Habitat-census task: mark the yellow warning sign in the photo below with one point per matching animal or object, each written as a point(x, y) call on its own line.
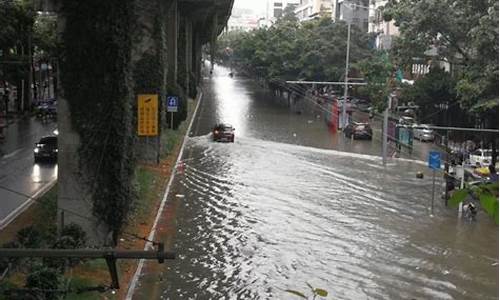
point(147, 118)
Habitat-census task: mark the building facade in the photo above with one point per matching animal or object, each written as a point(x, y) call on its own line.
point(354, 11)
point(311, 9)
point(385, 31)
point(277, 8)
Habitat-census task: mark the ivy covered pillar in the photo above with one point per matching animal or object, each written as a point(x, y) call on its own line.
point(96, 158)
point(149, 65)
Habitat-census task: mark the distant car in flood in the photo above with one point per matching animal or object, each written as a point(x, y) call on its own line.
point(223, 132)
point(358, 131)
point(481, 157)
point(46, 149)
point(423, 133)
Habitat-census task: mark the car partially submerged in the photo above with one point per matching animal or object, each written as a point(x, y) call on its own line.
point(357, 130)
point(423, 133)
point(223, 132)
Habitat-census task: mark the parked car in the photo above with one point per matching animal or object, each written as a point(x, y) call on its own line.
point(358, 131)
point(423, 133)
point(46, 109)
point(405, 120)
point(46, 149)
point(223, 133)
point(481, 157)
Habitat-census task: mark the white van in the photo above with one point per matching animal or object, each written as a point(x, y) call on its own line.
point(481, 157)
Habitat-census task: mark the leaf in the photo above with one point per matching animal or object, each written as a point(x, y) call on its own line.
point(457, 197)
point(489, 204)
point(296, 293)
point(492, 188)
point(321, 292)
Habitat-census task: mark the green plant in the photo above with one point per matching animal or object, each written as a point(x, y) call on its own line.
point(315, 292)
point(29, 237)
point(45, 279)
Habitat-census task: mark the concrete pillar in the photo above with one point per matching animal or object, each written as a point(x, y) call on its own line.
point(213, 40)
point(184, 55)
point(172, 52)
point(197, 56)
point(189, 58)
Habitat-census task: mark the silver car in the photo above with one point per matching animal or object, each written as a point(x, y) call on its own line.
point(423, 133)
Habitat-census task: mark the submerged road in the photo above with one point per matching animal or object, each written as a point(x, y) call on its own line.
point(282, 207)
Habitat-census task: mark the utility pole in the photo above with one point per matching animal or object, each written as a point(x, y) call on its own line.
point(111, 256)
point(385, 130)
point(346, 78)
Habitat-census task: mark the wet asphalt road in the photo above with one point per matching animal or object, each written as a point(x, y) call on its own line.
point(282, 207)
point(20, 177)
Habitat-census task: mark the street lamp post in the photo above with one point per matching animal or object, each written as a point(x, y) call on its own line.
point(346, 78)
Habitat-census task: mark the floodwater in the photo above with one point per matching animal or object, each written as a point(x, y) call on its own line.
point(282, 208)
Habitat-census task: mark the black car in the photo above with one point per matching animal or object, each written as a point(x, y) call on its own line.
point(223, 133)
point(358, 131)
point(46, 149)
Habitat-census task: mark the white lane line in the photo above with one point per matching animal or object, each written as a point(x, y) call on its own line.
point(20, 209)
point(12, 153)
point(135, 279)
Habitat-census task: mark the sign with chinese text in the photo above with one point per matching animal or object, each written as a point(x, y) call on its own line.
point(147, 118)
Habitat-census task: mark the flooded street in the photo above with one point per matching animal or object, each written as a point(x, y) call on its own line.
point(285, 206)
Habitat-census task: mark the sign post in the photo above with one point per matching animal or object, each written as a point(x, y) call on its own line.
point(172, 107)
point(434, 164)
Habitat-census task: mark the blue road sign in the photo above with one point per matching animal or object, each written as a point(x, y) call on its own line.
point(172, 103)
point(435, 160)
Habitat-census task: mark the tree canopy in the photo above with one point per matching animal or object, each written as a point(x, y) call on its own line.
point(463, 33)
point(290, 50)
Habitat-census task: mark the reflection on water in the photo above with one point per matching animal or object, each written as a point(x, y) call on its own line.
point(267, 213)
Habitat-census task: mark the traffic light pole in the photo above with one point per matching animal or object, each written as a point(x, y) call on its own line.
point(385, 135)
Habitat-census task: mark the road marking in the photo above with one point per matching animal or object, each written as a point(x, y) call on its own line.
point(135, 278)
point(12, 153)
point(20, 209)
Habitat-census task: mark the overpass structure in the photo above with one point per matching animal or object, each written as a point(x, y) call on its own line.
point(111, 51)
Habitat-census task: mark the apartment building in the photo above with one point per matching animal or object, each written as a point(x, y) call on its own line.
point(385, 31)
point(278, 6)
point(354, 11)
point(311, 9)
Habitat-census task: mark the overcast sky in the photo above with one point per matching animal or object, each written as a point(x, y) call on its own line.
point(256, 5)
